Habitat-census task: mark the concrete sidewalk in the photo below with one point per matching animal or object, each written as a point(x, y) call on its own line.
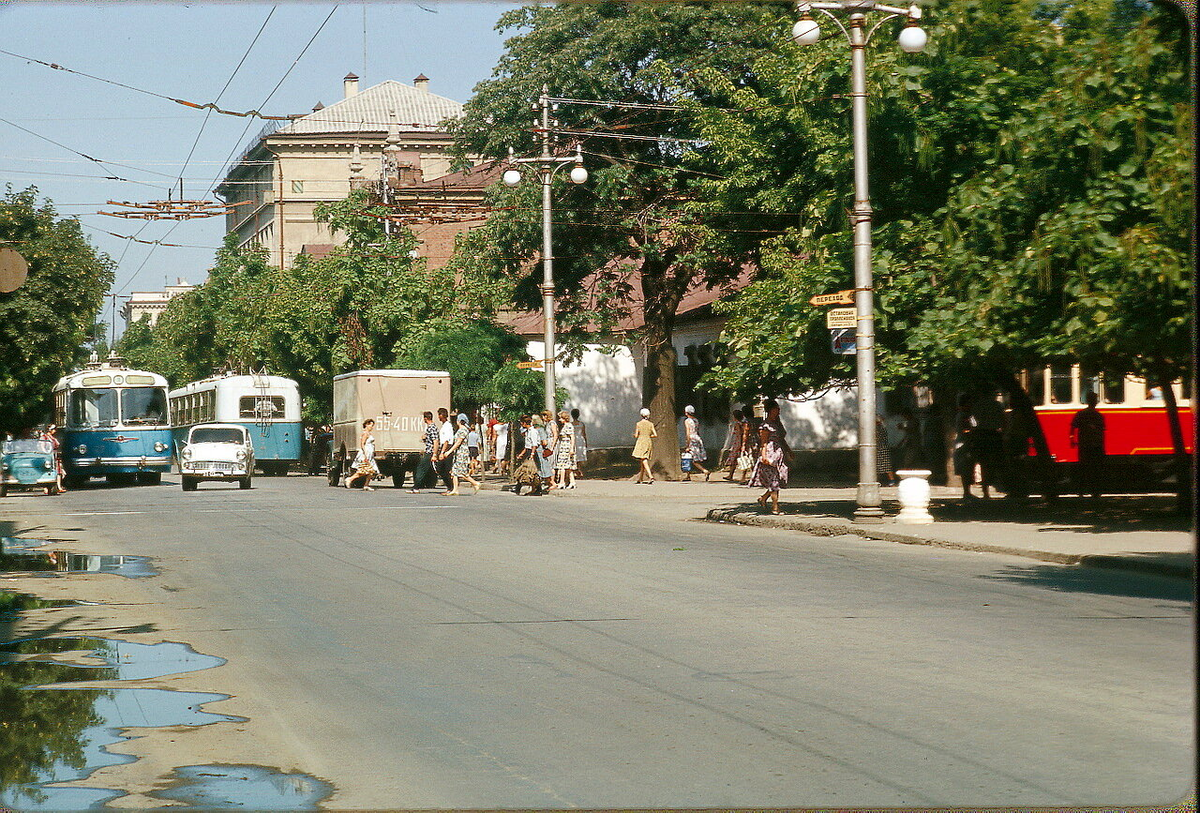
point(1132, 532)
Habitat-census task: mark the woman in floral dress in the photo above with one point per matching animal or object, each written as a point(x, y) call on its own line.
point(462, 459)
point(564, 452)
point(771, 471)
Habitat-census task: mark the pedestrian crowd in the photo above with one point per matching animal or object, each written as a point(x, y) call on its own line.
point(544, 452)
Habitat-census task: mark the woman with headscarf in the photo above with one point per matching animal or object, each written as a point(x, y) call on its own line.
point(525, 471)
point(771, 471)
point(462, 458)
point(643, 437)
point(693, 442)
point(542, 450)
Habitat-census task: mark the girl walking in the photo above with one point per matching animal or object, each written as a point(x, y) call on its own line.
point(771, 471)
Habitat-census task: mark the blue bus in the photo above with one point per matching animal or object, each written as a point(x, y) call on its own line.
point(116, 423)
point(267, 405)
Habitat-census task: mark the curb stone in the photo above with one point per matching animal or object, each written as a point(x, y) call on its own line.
point(836, 527)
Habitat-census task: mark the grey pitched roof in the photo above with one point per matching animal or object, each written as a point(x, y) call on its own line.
point(371, 110)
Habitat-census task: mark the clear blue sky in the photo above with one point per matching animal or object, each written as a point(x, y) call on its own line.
point(189, 51)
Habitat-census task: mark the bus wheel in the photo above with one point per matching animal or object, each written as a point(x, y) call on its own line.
point(149, 478)
point(3, 489)
point(244, 482)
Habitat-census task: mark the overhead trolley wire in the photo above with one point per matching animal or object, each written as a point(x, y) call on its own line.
point(194, 105)
point(228, 82)
point(232, 152)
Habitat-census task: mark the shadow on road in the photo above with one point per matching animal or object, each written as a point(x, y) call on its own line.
point(1070, 579)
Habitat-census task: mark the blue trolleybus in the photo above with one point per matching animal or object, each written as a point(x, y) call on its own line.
point(115, 423)
point(267, 405)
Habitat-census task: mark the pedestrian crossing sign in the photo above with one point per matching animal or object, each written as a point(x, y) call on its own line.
point(843, 341)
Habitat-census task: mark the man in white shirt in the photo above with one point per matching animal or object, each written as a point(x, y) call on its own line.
point(442, 461)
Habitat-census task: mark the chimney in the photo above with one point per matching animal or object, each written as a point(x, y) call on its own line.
point(422, 83)
point(351, 85)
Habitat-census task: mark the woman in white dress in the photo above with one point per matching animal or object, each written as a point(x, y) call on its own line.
point(364, 463)
point(581, 447)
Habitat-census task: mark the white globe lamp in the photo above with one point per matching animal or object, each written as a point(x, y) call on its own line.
point(806, 31)
point(511, 177)
point(579, 174)
point(913, 39)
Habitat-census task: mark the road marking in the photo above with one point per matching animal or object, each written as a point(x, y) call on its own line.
point(102, 513)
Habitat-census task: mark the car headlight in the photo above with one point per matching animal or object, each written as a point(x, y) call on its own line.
point(241, 455)
point(81, 448)
point(187, 454)
point(47, 464)
point(160, 446)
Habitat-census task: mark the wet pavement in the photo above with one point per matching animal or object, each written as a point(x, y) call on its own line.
point(249, 787)
point(57, 725)
point(19, 555)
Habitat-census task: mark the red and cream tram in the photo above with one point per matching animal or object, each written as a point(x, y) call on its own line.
point(1135, 414)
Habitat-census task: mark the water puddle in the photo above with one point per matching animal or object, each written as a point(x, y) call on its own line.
point(54, 730)
point(247, 787)
point(12, 605)
point(55, 562)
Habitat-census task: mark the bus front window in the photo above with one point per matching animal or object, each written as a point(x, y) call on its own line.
point(146, 406)
point(94, 407)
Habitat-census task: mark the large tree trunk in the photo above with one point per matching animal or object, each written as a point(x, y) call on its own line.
point(1183, 469)
point(662, 292)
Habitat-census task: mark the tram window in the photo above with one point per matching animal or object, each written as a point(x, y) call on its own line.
point(1060, 384)
point(144, 405)
point(1153, 392)
point(95, 407)
point(1114, 390)
point(1037, 386)
point(260, 406)
point(1089, 383)
point(1185, 388)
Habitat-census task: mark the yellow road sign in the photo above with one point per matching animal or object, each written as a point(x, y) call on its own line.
point(840, 298)
point(526, 365)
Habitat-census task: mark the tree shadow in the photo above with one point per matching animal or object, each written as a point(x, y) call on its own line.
point(1099, 581)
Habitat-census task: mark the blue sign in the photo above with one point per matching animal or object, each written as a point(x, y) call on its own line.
point(843, 341)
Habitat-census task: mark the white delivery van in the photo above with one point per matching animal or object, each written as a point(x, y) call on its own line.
point(395, 399)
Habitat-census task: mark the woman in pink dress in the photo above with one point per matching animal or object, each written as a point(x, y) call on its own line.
point(771, 471)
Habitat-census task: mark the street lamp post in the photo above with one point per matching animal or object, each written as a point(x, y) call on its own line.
point(912, 40)
point(548, 164)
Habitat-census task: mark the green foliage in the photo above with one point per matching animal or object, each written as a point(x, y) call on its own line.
point(481, 359)
point(45, 323)
point(1031, 180)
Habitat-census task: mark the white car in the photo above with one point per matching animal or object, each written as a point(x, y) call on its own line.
point(216, 451)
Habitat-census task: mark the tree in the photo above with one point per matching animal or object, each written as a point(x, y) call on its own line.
point(1048, 213)
point(45, 323)
point(632, 240)
point(477, 356)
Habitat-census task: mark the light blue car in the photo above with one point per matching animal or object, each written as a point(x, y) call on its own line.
point(27, 464)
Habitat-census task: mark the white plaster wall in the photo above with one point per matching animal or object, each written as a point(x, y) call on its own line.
point(606, 388)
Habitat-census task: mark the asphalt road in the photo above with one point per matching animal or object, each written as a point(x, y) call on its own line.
point(577, 651)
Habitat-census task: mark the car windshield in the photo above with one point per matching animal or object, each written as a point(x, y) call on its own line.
point(217, 434)
point(144, 405)
point(28, 447)
point(94, 407)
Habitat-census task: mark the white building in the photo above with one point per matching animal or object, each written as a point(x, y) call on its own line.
point(149, 305)
point(606, 383)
